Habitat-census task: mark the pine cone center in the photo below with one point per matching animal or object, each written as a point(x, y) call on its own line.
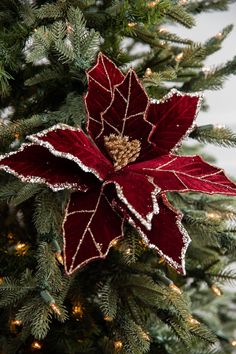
point(122, 150)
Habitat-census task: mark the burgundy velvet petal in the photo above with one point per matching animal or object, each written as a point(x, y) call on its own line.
point(185, 173)
point(174, 118)
point(71, 143)
point(89, 226)
point(126, 114)
point(101, 81)
point(138, 193)
point(167, 235)
point(35, 164)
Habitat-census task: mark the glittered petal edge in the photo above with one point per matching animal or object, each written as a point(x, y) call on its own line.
point(35, 179)
point(68, 156)
point(147, 221)
point(186, 239)
point(167, 97)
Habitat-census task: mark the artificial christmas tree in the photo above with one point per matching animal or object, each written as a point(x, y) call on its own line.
point(96, 209)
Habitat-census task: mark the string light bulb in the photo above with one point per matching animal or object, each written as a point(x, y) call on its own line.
point(113, 243)
point(219, 35)
point(69, 28)
point(15, 326)
point(47, 297)
point(148, 72)
point(143, 243)
point(152, 4)
point(217, 291)
point(162, 260)
point(206, 71)
point(179, 57)
point(233, 343)
point(77, 311)
point(59, 257)
point(162, 30)
point(55, 308)
point(193, 321)
point(21, 248)
point(132, 24)
point(57, 249)
point(118, 345)
point(108, 318)
point(10, 236)
point(36, 345)
point(16, 322)
point(175, 288)
point(145, 336)
point(213, 215)
point(219, 126)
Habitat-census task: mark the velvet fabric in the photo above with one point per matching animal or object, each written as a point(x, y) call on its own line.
point(167, 235)
point(89, 223)
point(64, 157)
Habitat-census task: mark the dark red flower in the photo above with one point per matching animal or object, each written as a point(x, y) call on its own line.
point(124, 168)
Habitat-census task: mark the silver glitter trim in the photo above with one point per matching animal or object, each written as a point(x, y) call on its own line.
point(183, 231)
point(186, 239)
point(34, 138)
point(35, 179)
point(182, 94)
point(71, 270)
point(147, 221)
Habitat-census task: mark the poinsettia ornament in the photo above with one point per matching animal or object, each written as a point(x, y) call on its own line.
point(123, 169)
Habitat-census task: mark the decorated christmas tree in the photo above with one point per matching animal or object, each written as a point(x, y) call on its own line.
point(116, 237)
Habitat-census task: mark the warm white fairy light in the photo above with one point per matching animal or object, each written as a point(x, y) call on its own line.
point(77, 310)
point(36, 345)
point(148, 72)
point(113, 243)
point(162, 30)
point(21, 248)
point(55, 308)
point(213, 215)
point(175, 288)
point(14, 325)
point(206, 70)
point(233, 343)
point(108, 318)
point(193, 321)
point(132, 24)
point(59, 257)
point(16, 322)
point(118, 345)
point(145, 336)
point(152, 4)
point(217, 291)
point(219, 126)
point(179, 57)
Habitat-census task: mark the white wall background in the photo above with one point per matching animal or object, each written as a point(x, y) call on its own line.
point(223, 102)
